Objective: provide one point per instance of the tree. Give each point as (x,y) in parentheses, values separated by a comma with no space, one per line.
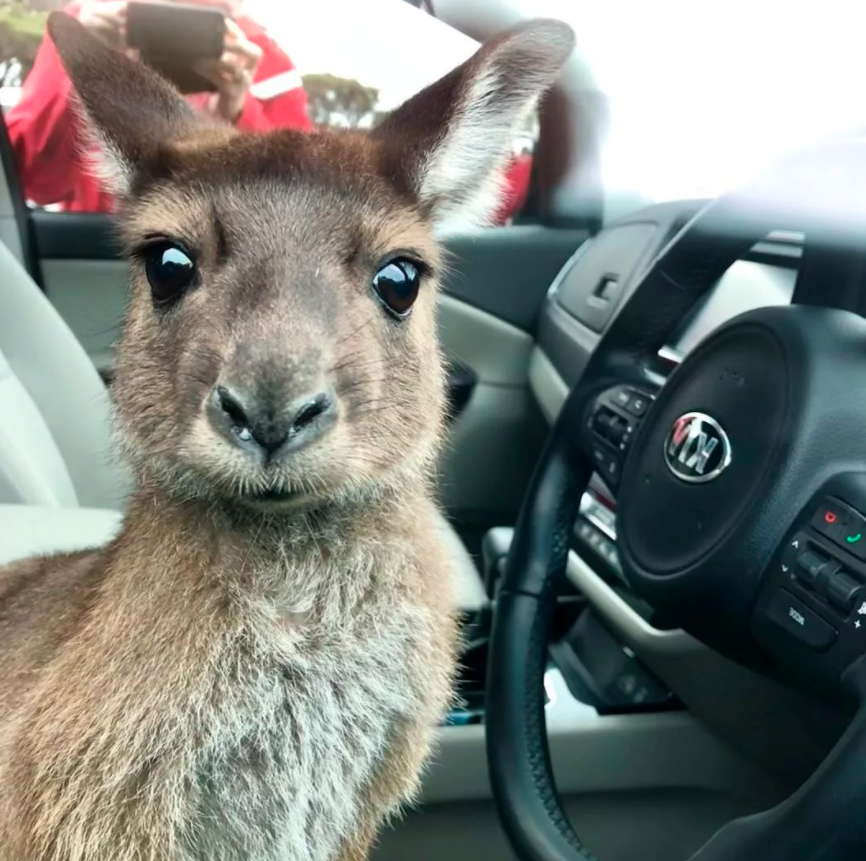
(341,102)
(45,5)
(22,25)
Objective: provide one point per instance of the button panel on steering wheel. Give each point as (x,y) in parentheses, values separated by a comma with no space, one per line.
(612,422)
(813,599)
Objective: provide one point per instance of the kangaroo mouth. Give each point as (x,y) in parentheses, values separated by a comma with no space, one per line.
(276,494)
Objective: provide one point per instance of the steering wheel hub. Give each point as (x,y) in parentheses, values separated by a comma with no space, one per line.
(706,451)
(697,448)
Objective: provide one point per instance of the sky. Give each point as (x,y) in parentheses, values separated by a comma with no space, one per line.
(706,92)
(386,44)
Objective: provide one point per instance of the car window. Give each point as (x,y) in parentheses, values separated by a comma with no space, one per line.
(345,81)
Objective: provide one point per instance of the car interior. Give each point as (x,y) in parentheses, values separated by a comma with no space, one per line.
(652,501)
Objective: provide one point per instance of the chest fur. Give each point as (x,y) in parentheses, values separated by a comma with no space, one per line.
(285,765)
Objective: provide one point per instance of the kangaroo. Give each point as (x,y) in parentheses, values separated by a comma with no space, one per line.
(255,667)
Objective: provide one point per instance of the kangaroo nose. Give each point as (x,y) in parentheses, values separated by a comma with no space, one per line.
(254,421)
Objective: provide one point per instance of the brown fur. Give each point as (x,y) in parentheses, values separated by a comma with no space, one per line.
(183,692)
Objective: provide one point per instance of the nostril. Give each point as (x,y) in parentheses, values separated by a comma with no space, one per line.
(254,420)
(310,411)
(233,408)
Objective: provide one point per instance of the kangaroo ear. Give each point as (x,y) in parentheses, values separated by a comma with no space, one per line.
(130,113)
(450,143)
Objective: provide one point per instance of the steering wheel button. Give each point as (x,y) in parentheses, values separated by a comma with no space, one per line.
(801,622)
(811,565)
(843,591)
(606,464)
(853,535)
(609,426)
(797,545)
(637,404)
(601,422)
(614,429)
(621,397)
(830,519)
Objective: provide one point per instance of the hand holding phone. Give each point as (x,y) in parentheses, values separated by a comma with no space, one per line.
(233,73)
(107,21)
(174,38)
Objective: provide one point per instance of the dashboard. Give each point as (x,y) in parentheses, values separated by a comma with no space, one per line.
(584,298)
(747,285)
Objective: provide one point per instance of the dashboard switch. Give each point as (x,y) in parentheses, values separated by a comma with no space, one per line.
(843,590)
(801,622)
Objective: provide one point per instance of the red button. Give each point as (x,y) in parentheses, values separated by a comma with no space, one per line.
(830,520)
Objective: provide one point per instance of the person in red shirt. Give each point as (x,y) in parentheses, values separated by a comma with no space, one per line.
(258,88)
(516,188)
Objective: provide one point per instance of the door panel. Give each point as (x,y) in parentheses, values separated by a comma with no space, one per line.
(493,444)
(14,231)
(84,275)
(75,236)
(91,296)
(506,271)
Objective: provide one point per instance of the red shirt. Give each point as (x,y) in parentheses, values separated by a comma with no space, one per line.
(44,129)
(516,188)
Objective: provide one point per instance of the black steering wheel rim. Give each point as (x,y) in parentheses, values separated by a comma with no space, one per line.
(802,194)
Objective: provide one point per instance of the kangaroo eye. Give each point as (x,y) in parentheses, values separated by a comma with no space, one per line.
(170,271)
(396,284)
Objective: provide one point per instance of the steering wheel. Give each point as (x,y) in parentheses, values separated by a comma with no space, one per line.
(751,456)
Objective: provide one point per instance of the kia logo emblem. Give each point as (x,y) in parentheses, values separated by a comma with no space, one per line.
(697,449)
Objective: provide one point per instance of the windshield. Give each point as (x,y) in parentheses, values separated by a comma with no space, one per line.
(701,95)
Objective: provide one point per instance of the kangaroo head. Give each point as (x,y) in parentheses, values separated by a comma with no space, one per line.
(280,344)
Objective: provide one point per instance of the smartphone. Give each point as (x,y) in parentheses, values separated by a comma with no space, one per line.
(171,37)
